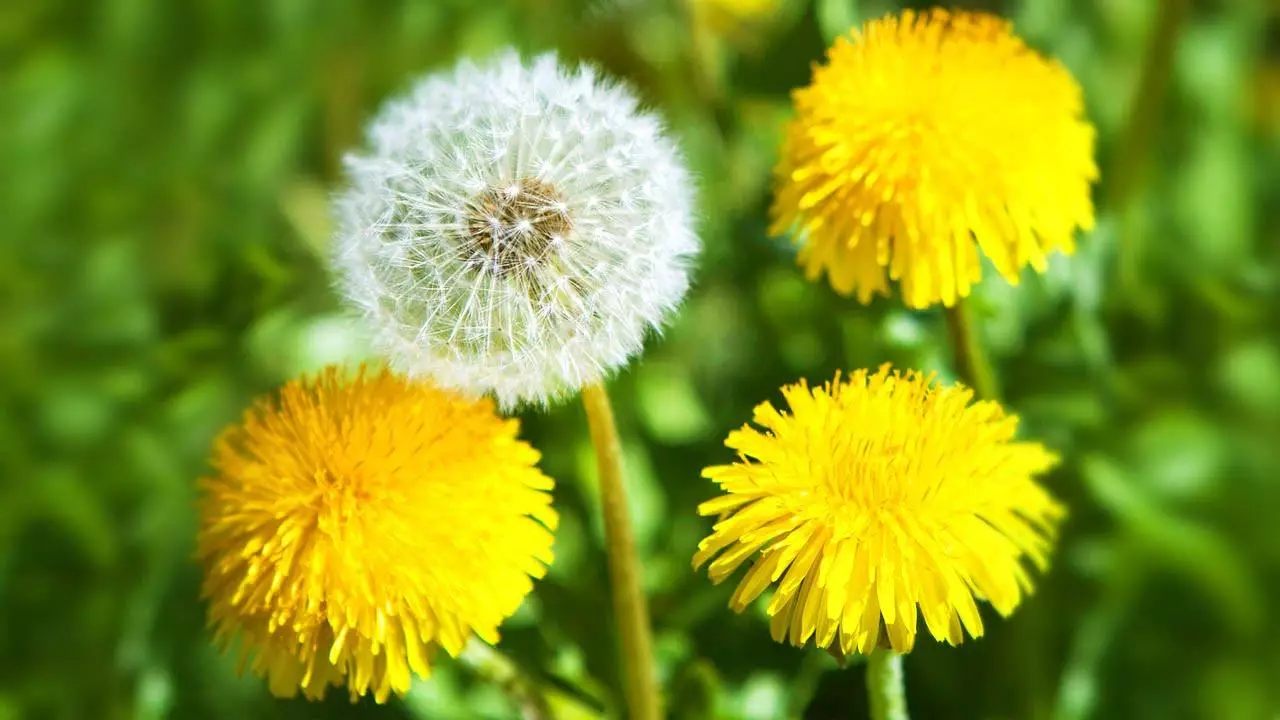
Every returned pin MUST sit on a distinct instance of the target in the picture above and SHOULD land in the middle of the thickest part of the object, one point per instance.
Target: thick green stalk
(1142, 129)
(975, 370)
(629, 606)
(972, 363)
(885, 686)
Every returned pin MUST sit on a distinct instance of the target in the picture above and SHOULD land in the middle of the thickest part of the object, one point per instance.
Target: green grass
(163, 225)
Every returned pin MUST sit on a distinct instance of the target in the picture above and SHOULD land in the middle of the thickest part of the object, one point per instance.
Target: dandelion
(515, 229)
(925, 138)
(875, 500)
(353, 526)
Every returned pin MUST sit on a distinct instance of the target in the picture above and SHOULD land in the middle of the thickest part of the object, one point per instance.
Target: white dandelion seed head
(515, 229)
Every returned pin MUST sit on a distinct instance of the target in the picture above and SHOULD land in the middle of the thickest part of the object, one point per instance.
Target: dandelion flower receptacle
(515, 229)
(877, 500)
(355, 524)
(924, 140)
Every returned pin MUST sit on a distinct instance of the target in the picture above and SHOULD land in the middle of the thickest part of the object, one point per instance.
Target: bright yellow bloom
(354, 525)
(876, 496)
(922, 135)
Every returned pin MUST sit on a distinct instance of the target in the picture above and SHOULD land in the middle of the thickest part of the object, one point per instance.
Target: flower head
(924, 139)
(874, 497)
(353, 526)
(515, 229)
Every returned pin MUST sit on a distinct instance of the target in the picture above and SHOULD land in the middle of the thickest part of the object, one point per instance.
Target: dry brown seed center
(512, 227)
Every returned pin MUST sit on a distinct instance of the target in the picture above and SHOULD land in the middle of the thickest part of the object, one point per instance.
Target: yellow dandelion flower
(354, 525)
(874, 497)
(923, 139)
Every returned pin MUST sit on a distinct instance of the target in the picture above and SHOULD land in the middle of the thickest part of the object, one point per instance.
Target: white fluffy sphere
(515, 229)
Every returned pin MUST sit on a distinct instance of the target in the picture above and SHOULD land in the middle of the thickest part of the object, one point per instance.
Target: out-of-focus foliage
(163, 220)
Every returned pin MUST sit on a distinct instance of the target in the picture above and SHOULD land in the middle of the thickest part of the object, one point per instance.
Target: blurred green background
(166, 168)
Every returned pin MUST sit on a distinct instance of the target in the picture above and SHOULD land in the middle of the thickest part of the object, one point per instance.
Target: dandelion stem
(886, 687)
(536, 697)
(629, 606)
(1142, 129)
(972, 363)
(494, 667)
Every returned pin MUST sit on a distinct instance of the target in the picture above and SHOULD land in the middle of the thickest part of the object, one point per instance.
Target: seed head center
(514, 226)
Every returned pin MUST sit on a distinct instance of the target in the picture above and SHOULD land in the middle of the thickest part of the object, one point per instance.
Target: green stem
(975, 369)
(972, 363)
(1142, 128)
(496, 668)
(885, 686)
(629, 605)
(536, 699)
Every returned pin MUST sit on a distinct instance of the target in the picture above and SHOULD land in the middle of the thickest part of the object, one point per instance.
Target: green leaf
(668, 403)
(695, 690)
(836, 18)
(1199, 553)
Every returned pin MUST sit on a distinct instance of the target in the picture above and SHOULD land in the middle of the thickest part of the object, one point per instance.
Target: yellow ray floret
(924, 139)
(877, 500)
(354, 525)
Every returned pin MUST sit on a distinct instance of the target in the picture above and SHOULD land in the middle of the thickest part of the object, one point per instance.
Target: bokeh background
(166, 169)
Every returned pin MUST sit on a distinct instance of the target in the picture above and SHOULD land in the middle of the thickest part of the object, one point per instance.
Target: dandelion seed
(877, 500)
(515, 229)
(354, 526)
(925, 138)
